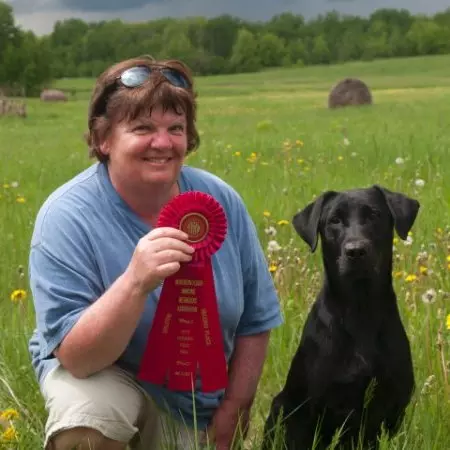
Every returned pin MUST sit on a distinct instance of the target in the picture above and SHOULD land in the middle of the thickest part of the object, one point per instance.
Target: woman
(97, 263)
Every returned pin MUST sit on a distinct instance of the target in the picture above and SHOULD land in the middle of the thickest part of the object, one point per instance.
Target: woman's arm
(246, 365)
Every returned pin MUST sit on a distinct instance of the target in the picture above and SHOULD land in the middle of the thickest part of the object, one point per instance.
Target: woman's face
(148, 151)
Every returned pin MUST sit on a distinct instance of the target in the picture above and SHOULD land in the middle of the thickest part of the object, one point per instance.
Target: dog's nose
(356, 249)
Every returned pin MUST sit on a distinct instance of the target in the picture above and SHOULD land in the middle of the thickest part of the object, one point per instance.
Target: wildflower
(6, 186)
(340, 158)
(18, 295)
(399, 274)
(448, 258)
(9, 414)
(270, 231)
(409, 241)
(266, 214)
(410, 278)
(237, 153)
(429, 296)
(448, 322)
(419, 182)
(423, 270)
(299, 143)
(399, 161)
(10, 434)
(273, 268)
(283, 222)
(20, 199)
(14, 184)
(300, 161)
(353, 154)
(346, 142)
(273, 246)
(395, 241)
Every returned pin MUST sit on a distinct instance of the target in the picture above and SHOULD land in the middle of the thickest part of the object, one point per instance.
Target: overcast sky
(40, 15)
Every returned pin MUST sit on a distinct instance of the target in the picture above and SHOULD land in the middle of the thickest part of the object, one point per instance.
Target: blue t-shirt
(83, 240)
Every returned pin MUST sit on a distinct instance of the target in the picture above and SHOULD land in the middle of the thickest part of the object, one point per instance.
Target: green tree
(272, 51)
(245, 55)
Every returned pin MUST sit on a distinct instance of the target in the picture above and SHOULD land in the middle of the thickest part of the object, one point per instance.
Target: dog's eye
(373, 214)
(335, 220)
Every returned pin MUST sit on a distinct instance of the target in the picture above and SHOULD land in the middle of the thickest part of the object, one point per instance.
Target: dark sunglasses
(137, 76)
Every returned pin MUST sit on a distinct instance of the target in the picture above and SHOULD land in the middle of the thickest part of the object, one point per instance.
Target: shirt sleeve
(261, 304)
(63, 276)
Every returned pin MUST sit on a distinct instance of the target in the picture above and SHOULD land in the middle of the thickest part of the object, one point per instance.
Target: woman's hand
(158, 255)
(229, 425)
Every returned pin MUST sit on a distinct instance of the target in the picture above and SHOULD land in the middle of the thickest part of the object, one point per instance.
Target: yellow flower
(398, 274)
(395, 241)
(266, 214)
(20, 199)
(264, 163)
(237, 153)
(423, 270)
(6, 186)
(340, 158)
(448, 322)
(300, 161)
(283, 222)
(299, 142)
(439, 230)
(18, 295)
(273, 268)
(411, 278)
(10, 434)
(448, 258)
(9, 414)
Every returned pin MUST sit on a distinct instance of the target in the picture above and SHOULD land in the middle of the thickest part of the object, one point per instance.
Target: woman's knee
(82, 438)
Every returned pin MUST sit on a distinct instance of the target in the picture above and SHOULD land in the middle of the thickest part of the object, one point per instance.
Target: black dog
(352, 371)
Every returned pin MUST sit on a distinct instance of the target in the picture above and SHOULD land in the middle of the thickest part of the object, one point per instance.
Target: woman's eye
(141, 129)
(178, 128)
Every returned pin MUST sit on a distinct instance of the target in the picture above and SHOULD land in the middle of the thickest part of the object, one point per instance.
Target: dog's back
(353, 365)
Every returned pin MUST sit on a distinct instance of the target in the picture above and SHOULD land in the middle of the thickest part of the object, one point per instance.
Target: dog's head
(356, 228)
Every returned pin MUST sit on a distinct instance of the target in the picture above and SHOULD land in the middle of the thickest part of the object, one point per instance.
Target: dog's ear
(306, 222)
(403, 209)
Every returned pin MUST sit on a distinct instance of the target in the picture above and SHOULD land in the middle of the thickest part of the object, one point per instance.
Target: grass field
(270, 136)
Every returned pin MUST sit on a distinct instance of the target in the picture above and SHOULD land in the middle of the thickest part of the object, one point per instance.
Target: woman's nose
(161, 139)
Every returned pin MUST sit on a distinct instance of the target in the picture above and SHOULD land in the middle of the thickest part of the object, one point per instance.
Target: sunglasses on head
(137, 76)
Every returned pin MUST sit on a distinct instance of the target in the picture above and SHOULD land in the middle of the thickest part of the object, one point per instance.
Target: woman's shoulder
(66, 204)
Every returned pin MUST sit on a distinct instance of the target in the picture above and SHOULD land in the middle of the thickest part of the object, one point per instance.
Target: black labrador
(353, 369)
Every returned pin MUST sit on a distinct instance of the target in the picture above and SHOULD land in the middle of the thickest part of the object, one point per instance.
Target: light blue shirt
(83, 240)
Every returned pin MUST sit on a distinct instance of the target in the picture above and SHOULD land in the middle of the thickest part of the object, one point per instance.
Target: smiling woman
(98, 261)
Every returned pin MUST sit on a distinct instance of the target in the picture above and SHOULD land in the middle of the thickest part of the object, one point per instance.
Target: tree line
(219, 45)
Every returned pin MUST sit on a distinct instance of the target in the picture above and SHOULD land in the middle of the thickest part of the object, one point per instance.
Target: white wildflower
(399, 161)
(353, 154)
(346, 141)
(429, 296)
(270, 231)
(409, 241)
(14, 184)
(419, 182)
(273, 246)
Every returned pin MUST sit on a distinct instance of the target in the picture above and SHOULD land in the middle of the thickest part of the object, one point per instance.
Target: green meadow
(271, 136)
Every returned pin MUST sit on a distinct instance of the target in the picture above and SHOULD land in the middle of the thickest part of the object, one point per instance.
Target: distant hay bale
(53, 95)
(12, 108)
(349, 92)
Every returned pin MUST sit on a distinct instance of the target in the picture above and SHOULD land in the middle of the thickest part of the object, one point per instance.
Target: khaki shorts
(112, 403)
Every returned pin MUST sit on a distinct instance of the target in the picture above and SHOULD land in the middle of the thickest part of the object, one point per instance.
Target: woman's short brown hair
(127, 104)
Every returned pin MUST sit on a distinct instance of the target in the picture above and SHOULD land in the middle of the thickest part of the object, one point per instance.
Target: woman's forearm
(245, 369)
(103, 331)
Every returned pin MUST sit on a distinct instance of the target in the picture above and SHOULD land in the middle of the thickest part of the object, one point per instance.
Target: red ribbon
(186, 336)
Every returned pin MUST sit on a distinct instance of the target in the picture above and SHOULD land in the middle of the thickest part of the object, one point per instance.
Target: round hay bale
(53, 95)
(349, 92)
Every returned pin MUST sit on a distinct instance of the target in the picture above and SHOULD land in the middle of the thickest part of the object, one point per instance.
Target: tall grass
(271, 137)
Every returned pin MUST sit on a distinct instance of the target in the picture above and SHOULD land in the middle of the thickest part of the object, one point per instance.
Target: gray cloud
(42, 14)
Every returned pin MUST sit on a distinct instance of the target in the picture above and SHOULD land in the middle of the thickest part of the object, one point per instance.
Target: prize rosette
(186, 338)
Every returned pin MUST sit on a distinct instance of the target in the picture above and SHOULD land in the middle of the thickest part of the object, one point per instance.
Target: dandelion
(9, 414)
(237, 153)
(299, 143)
(283, 222)
(273, 268)
(270, 231)
(18, 295)
(399, 161)
(6, 186)
(20, 199)
(340, 158)
(423, 270)
(419, 182)
(448, 322)
(429, 296)
(266, 213)
(273, 246)
(10, 434)
(410, 278)
(399, 274)
(300, 161)
(448, 258)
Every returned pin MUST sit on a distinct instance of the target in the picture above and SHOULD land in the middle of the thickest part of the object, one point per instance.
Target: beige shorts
(112, 403)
